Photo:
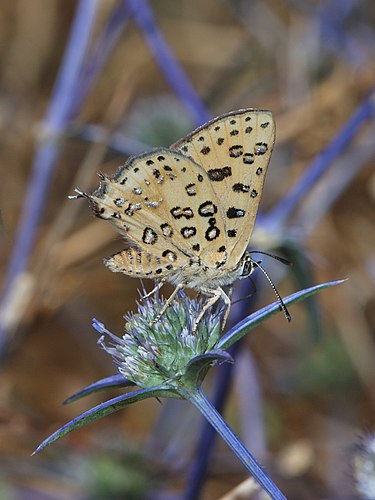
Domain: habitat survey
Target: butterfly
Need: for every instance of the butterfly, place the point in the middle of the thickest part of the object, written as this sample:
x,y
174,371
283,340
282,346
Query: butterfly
x,y
188,211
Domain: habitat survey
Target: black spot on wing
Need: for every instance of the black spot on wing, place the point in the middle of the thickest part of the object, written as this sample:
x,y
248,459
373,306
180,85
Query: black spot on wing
x,y
132,208
170,255
188,232
235,151
212,233
178,212
219,174
166,229
149,236
235,213
240,188
191,189
248,158
260,148
207,209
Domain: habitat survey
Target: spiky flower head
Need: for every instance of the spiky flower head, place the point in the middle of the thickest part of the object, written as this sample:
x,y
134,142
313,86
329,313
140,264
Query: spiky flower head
x,y
151,354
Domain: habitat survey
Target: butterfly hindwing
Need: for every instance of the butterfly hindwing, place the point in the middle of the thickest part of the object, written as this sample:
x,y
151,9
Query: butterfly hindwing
x,y
164,203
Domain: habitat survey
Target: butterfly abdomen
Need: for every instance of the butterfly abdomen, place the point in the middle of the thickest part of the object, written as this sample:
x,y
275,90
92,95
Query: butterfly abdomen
x,y
135,262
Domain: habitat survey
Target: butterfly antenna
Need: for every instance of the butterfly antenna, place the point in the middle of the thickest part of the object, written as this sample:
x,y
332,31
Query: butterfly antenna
x,y
276,257
80,194
281,302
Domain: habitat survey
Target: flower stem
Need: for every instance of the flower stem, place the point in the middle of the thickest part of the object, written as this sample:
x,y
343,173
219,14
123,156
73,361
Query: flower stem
x,y
199,399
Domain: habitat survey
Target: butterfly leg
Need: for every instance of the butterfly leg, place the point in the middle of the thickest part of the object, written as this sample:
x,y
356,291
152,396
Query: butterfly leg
x,y
214,296
167,303
155,289
227,298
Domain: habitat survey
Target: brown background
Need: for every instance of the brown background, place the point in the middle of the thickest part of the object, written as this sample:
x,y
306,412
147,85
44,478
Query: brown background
x,y
316,385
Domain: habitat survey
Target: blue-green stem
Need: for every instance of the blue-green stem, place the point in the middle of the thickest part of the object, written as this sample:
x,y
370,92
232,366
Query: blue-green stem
x,y
198,398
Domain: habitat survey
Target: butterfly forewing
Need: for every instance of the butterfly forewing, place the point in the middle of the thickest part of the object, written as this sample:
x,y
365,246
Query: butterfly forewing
x,y
165,203
234,150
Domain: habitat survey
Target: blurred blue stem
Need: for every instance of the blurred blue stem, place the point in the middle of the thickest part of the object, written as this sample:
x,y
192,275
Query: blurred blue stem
x,y
49,148
99,53
221,427
280,212
143,15
223,383
207,435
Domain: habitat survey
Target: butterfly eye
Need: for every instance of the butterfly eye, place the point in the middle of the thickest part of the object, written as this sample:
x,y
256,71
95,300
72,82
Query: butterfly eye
x,y
247,267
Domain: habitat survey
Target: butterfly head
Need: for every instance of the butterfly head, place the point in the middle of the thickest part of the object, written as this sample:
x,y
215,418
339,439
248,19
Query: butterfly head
x,y
247,266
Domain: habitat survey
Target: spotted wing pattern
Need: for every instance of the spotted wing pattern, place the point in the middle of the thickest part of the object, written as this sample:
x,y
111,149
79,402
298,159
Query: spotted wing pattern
x,y
165,204
234,150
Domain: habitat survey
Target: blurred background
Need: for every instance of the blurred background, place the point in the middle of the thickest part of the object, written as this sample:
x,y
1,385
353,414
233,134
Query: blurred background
x,y
85,84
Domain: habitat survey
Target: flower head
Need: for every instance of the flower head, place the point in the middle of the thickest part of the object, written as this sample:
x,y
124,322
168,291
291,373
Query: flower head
x,y
150,353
